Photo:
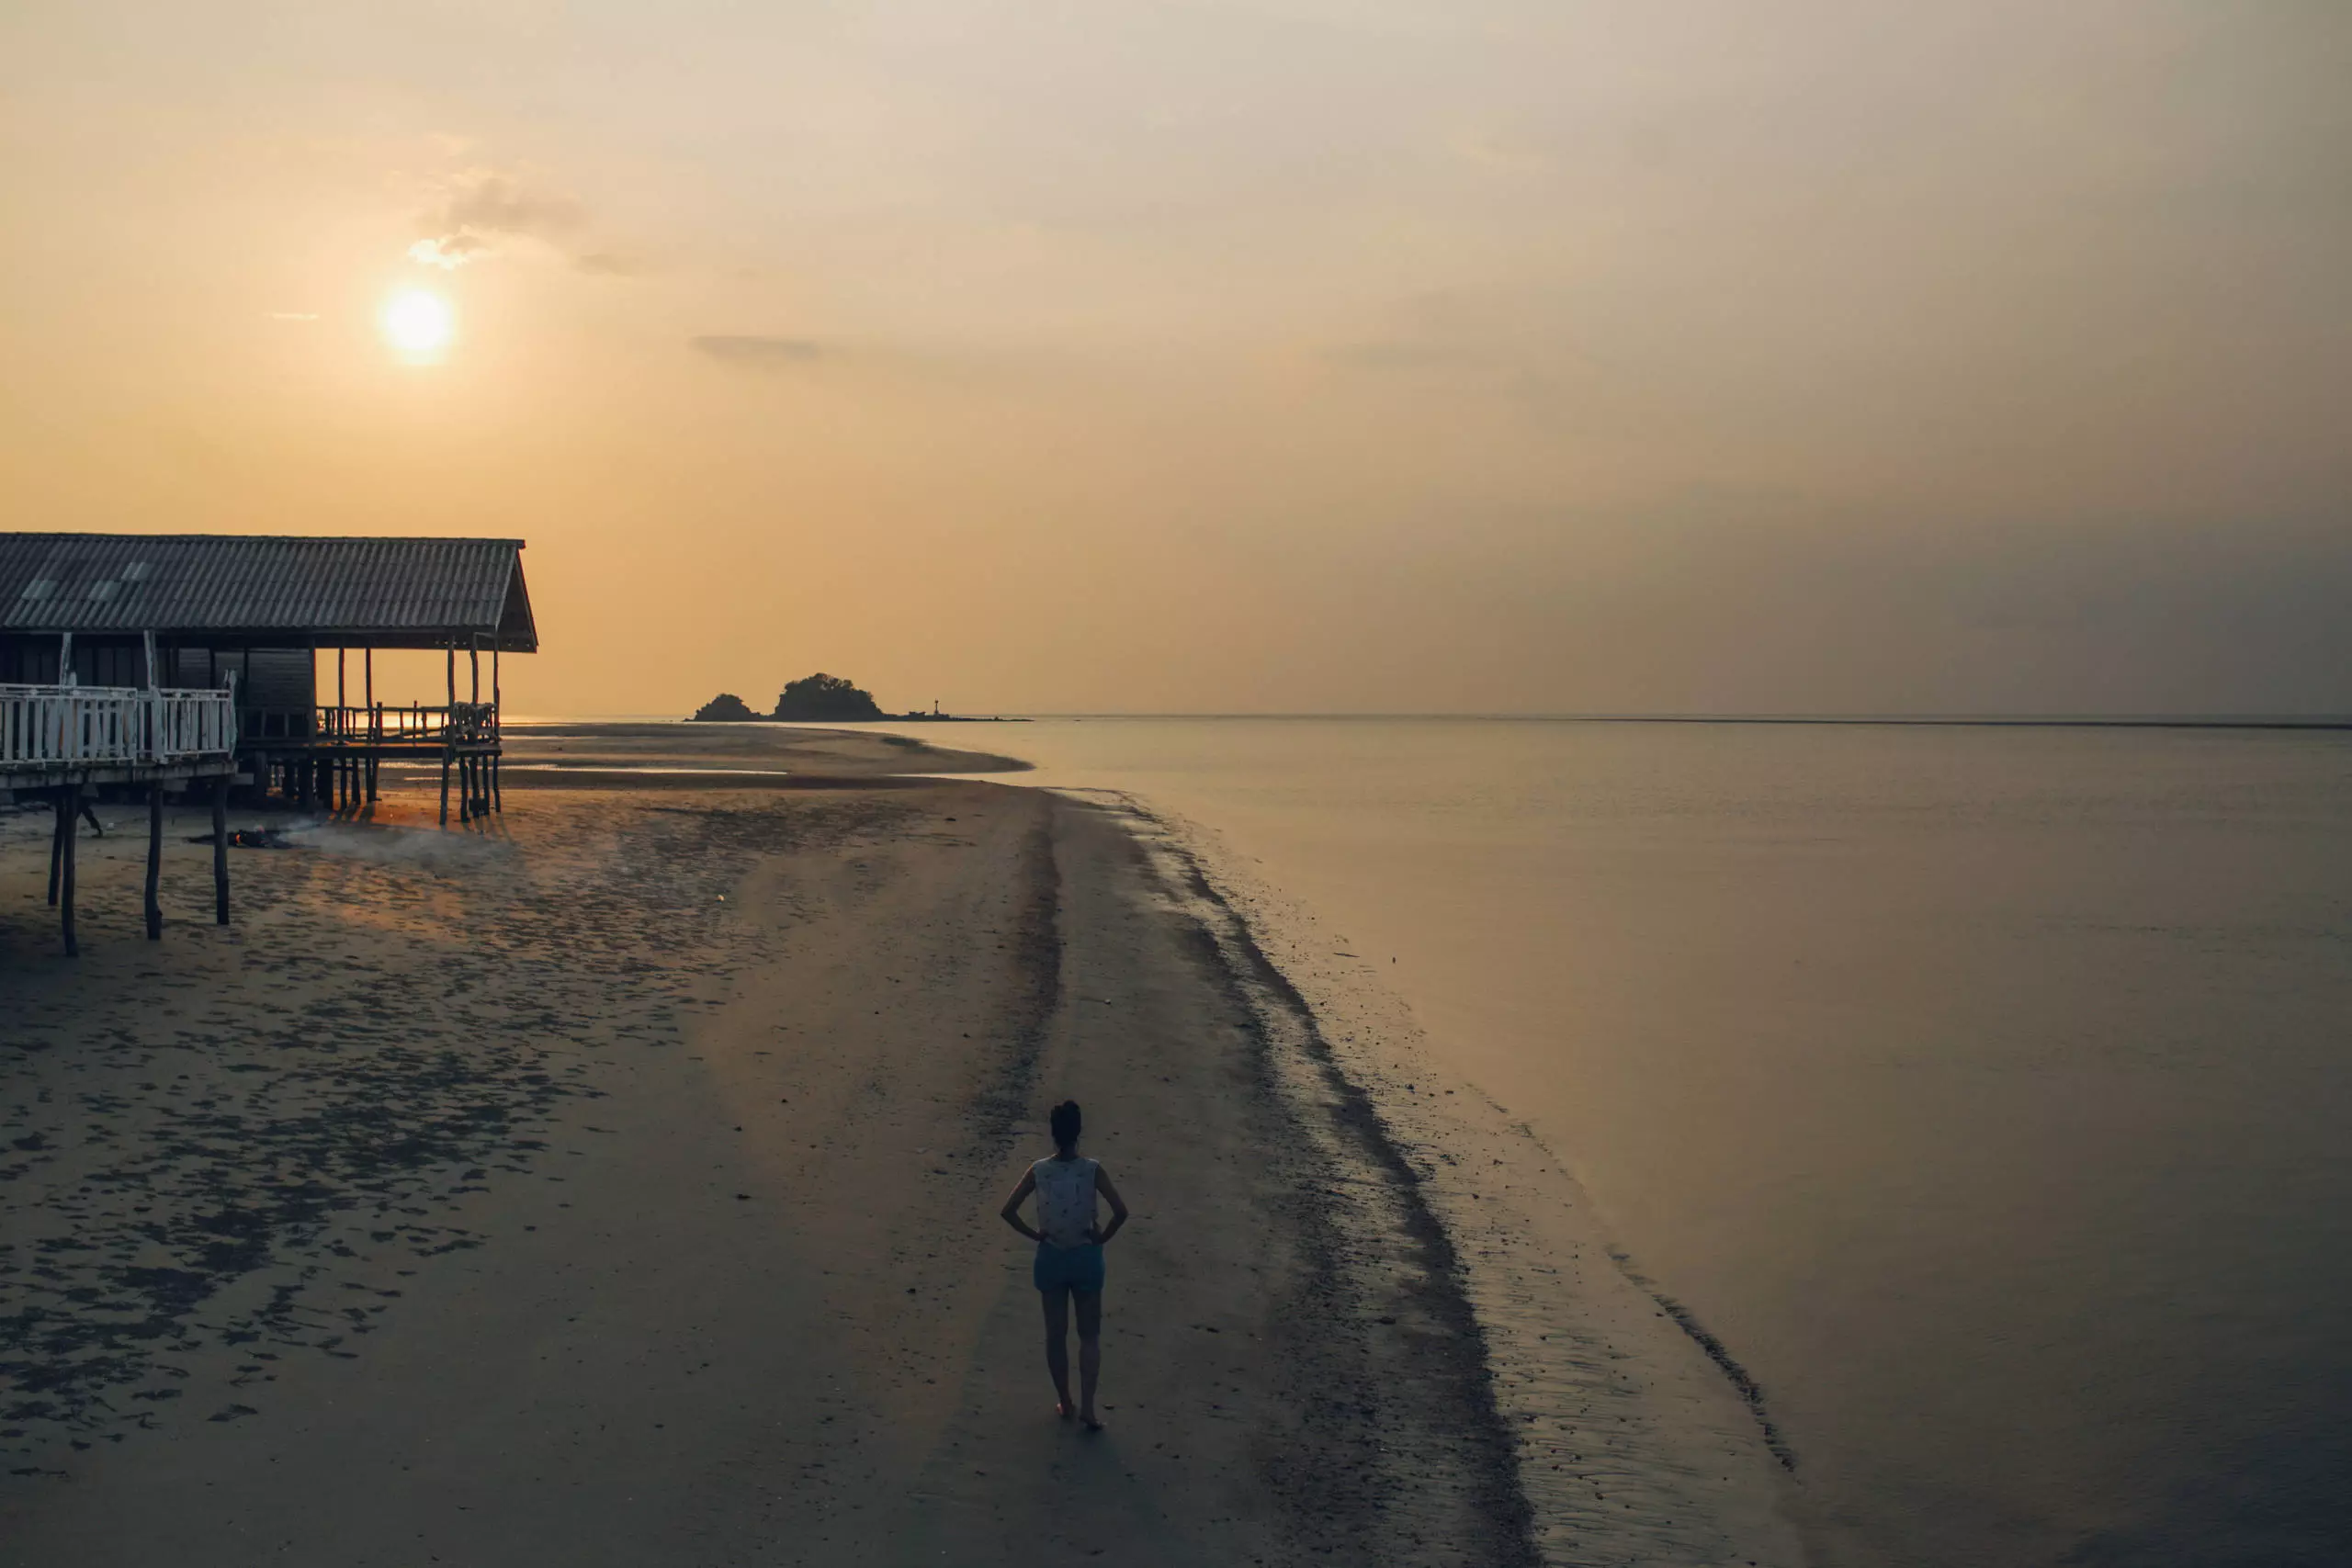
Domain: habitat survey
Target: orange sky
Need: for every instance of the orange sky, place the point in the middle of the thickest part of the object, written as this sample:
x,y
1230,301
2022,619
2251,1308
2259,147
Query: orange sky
x,y
1309,354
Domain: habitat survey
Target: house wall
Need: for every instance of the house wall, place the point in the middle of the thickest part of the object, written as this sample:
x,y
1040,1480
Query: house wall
x,y
28,662
273,678
97,661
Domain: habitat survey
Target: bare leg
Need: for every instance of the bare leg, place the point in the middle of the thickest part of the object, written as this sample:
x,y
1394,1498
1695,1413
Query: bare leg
x,y
1089,1355
1056,1304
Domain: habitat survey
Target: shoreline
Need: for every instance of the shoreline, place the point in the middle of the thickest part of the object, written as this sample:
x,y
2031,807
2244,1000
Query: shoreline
x,y
1683,1461
444,1109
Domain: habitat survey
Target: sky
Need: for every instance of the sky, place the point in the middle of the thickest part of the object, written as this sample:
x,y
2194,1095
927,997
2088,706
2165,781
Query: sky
x,y
1234,355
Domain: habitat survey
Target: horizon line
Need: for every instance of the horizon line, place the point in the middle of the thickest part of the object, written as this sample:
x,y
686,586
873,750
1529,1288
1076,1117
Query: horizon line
x,y
1956,720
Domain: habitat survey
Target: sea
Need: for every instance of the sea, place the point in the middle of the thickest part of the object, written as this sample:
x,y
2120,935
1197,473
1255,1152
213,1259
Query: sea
x,y
1985,1090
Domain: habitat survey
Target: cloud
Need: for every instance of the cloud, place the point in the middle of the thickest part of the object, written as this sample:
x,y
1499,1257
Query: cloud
x,y
754,353
1399,353
1437,331
450,252
477,208
608,263
293,315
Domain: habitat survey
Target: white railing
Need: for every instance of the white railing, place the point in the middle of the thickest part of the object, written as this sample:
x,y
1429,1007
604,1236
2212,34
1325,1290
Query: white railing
x,y
80,725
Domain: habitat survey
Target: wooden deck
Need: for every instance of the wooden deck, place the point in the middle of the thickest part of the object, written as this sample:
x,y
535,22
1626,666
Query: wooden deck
x,y
58,741
332,756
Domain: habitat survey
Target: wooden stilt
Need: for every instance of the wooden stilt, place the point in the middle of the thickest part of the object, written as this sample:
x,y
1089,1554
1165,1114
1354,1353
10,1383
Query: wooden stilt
x,y
73,811
220,851
444,787
154,861
57,847
497,799
375,720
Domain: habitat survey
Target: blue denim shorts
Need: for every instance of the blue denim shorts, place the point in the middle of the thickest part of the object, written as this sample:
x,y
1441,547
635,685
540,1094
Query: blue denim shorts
x,y
1079,1268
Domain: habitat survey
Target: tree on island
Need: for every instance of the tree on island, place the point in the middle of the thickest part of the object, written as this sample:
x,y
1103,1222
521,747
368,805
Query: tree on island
x,y
726,706
823,697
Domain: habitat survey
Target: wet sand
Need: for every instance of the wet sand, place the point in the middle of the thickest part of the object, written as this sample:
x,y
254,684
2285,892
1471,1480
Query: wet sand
x,y
616,1182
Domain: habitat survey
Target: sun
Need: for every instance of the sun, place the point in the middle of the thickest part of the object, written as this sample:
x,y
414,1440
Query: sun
x,y
418,324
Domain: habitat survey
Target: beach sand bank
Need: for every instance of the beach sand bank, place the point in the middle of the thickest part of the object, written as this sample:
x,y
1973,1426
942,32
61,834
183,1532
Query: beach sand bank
x,y
614,1182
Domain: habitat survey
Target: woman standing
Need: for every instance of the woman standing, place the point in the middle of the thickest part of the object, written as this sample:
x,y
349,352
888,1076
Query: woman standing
x,y
1070,1256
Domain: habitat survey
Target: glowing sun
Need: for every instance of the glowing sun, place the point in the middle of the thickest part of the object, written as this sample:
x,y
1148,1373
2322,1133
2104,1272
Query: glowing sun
x,y
418,324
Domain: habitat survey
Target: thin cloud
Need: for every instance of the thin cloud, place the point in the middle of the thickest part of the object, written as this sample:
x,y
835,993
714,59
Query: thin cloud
x,y
293,315
479,208
1398,353
609,264
755,353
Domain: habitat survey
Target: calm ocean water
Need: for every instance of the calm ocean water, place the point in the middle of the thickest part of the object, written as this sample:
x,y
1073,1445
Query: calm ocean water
x,y
1987,1091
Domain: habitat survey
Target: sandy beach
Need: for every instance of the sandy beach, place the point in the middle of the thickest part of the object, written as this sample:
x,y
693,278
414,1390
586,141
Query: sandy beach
x,y
614,1182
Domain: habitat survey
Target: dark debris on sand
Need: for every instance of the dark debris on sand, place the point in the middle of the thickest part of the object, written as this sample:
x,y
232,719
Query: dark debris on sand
x,y
268,1161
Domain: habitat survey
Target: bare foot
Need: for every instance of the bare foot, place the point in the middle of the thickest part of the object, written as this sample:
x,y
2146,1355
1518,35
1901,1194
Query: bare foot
x,y
1063,1409
1086,1419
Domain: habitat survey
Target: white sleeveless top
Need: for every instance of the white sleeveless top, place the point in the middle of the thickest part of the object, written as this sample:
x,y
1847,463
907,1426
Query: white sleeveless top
x,y
1065,1200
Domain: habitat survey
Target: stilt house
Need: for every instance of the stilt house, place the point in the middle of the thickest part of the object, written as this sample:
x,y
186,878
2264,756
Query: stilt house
x,y
250,614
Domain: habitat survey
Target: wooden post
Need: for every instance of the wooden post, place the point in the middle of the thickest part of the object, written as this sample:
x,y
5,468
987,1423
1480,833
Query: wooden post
x,y
221,851
449,735
375,719
473,658
57,847
72,811
497,718
154,860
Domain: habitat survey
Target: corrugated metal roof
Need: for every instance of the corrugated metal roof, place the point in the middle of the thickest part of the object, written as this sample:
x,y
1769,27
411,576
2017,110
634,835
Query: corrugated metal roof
x,y
390,591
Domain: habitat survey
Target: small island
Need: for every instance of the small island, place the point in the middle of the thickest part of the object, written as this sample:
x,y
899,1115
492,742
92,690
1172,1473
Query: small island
x,y
824,699
726,707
